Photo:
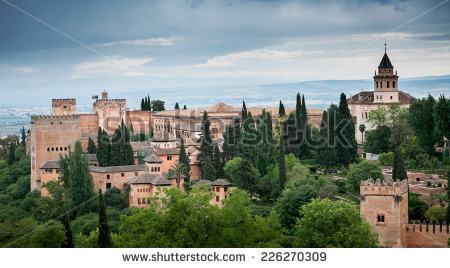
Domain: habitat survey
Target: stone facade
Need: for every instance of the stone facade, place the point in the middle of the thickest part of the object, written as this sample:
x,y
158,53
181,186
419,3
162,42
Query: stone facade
x,y
384,205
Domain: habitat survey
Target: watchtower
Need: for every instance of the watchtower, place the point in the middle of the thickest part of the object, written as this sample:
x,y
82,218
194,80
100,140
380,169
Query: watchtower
x,y
64,106
385,207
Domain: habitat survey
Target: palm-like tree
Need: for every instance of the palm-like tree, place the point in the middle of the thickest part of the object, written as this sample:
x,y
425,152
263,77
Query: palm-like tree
x,y
178,169
362,128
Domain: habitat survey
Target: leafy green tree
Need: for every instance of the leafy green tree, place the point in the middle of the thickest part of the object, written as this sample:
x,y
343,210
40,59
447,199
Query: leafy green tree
x,y
229,143
293,198
281,110
416,207
421,118
442,119
345,134
208,172
399,169
378,140
231,169
436,213
104,233
184,160
157,105
360,172
325,223
50,235
189,220
115,198
121,149
92,149
386,159
80,189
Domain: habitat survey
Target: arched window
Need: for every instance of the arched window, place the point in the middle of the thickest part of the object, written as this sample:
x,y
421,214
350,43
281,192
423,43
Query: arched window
x,y
387,84
393,84
381,84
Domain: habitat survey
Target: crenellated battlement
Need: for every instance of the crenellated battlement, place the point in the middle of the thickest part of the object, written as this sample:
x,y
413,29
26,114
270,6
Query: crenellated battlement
x,y
428,227
387,187
45,119
64,100
108,101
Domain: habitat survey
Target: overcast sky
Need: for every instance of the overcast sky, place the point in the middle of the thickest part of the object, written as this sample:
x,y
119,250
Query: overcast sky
x,y
63,47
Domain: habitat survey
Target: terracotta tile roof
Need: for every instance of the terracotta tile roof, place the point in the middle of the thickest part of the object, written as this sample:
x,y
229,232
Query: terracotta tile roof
x,y
222,108
167,151
201,182
118,168
367,97
154,179
50,164
220,182
152,158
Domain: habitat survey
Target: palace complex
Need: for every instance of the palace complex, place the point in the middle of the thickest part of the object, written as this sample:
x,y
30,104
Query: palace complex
x,y
383,204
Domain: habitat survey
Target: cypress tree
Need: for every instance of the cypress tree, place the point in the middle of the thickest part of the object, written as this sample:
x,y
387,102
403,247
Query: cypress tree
x,y
184,107
345,134
69,237
304,148
104,233
24,137
206,147
92,149
107,153
12,154
290,135
117,153
149,103
298,124
228,142
208,171
184,160
399,170
217,162
81,185
448,195
246,176
282,165
325,151
177,107
127,148
103,150
243,112
281,111
142,105
237,137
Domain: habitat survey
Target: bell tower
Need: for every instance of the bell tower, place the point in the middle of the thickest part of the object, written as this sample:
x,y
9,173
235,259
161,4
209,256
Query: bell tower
x,y
385,81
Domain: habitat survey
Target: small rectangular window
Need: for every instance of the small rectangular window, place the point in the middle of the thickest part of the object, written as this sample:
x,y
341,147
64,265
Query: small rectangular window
x,y
108,176
123,174
217,198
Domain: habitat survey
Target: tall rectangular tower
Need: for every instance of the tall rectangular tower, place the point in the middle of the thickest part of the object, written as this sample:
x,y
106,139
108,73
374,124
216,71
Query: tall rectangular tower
x,y
385,207
64,106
